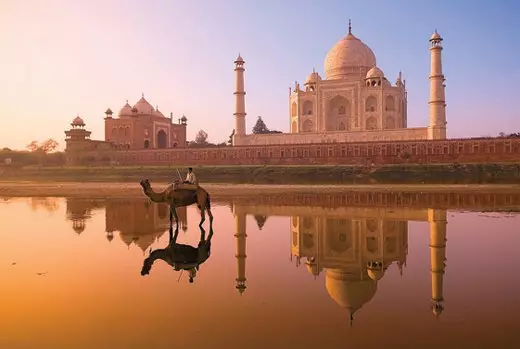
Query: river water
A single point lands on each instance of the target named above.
(291, 272)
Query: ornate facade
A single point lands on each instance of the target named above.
(140, 127)
(355, 102)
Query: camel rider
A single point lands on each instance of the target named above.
(190, 177)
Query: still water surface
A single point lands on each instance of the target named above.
(271, 276)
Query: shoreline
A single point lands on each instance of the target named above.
(218, 190)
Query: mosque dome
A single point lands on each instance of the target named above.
(375, 72)
(156, 112)
(348, 54)
(348, 289)
(126, 110)
(143, 106)
(184, 118)
(78, 121)
(312, 78)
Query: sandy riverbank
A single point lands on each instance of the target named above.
(119, 190)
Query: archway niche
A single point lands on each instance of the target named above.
(371, 104)
(338, 106)
(146, 144)
(294, 109)
(162, 139)
(294, 128)
(390, 122)
(390, 103)
(307, 108)
(371, 123)
(307, 126)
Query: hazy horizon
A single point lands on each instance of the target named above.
(64, 58)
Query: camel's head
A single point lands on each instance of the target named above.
(147, 266)
(145, 183)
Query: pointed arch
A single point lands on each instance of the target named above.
(307, 126)
(371, 104)
(371, 123)
(294, 127)
(294, 109)
(308, 108)
(390, 103)
(389, 122)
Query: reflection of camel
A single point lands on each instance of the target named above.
(180, 197)
(180, 256)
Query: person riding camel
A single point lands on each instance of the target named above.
(191, 178)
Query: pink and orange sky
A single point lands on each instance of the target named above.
(63, 58)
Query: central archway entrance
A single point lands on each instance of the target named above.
(162, 139)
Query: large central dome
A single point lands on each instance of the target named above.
(347, 56)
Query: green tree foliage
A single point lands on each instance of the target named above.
(261, 128)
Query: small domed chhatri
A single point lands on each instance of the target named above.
(375, 72)
(78, 121)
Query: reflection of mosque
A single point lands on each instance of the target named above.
(353, 246)
(138, 222)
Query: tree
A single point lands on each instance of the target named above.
(201, 137)
(260, 126)
(48, 146)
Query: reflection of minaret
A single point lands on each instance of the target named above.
(437, 219)
(110, 235)
(240, 227)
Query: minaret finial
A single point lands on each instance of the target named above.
(349, 26)
(142, 94)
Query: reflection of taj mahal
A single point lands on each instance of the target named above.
(353, 246)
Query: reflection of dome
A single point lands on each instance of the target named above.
(127, 239)
(348, 53)
(145, 241)
(376, 274)
(78, 226)
(312, 267)
(375, 72)
(348, 290)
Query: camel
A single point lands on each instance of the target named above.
(180, 256)
(179, 195)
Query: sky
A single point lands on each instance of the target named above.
(63, 58)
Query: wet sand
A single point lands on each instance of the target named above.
(134, 190)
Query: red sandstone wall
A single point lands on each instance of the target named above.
(377, 153)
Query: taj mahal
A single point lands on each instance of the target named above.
(355, 102)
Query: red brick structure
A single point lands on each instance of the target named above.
(140, 127)
(489, 150)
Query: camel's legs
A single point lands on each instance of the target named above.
(202, 217)
(202, 234)
(173, 237)
(210, 215)
(173, 214)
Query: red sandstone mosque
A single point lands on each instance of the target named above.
(354, 114)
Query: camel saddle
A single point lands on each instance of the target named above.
(185, 186)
